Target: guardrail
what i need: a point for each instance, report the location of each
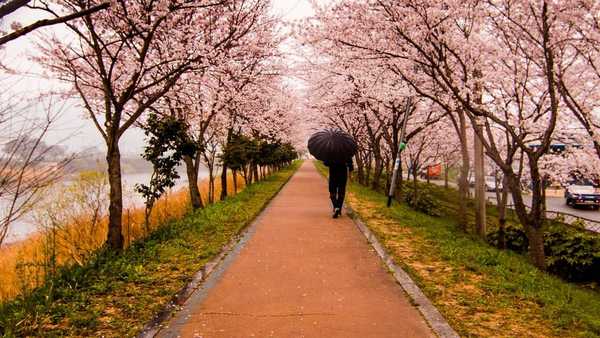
(588, 224)
(569, 219)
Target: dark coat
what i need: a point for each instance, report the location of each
(338, 172)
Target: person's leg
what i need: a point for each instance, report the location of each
(341, 195)
(338, 193)
(341, 191)
(335, 200)
(332, 191)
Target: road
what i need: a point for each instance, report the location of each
(556, 204)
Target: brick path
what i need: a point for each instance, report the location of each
(301, 274)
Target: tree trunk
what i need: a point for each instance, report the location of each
(245, 174)
(534, 226)
(415, 168)
(400, 182)
(479, 169)
(192, 176)
(502, 198)
(211, 184)
(147, 214)
(535, 235)
(115, 209)
(235, 187)
(389, 172)
(534, 220)
(369, 166)
(544, 184)
(224, 182)
(255, 170)
(377, 173)
(463, 182)
(360, 171)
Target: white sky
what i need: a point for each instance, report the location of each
(73, 130)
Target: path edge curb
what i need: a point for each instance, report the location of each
(152, 328)
(430, 313)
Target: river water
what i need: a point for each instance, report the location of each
(25, 226)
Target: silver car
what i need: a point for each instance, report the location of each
(582, 195)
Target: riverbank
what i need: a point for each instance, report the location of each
(25, 227)
(117, 295)
(72, 223)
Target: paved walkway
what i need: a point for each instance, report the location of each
(301, 274)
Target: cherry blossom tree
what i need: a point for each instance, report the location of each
(125, 58)
(578, 76)
(361, 95)
(205, 97)
(493, 66)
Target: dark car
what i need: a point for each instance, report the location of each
(582, 195)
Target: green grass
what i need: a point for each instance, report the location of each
(447, 201)
(116, 295)
(482, 291)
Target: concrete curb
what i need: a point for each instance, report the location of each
(433, 317)
(201, 279)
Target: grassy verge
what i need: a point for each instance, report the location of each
(79, 231)
(114, 296)
(482, 291)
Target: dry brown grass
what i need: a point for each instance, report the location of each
(23, 264)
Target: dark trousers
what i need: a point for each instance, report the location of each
(337, 189)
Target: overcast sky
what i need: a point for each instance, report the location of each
(74, 131)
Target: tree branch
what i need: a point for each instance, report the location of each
(49, 22)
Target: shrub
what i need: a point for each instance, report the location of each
(573, 255)
(570, 253)
(515, 238)
(422, 200)
(578, 224)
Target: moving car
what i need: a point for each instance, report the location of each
(582, 195)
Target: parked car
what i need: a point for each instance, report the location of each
(490, 184)
(582, 195)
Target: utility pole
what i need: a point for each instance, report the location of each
(480, 205)
(401, 147)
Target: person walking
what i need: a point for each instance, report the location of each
(338, 177)
(336, 149)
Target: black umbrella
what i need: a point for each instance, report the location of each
(334, 146)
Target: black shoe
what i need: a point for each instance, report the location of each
(337, 213)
